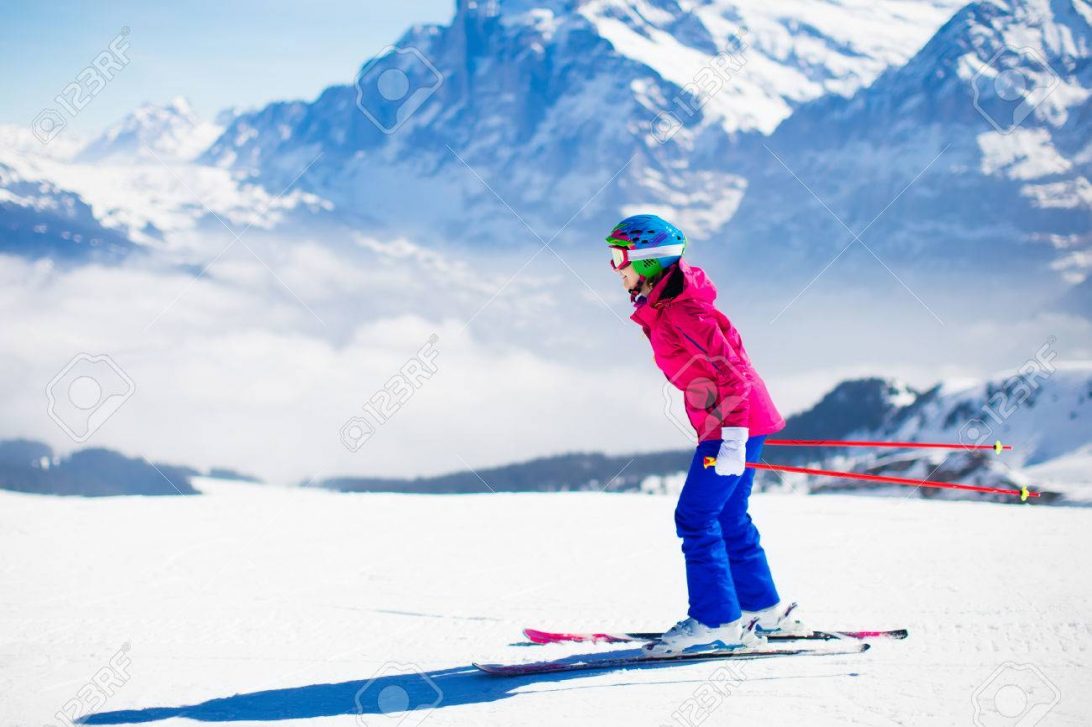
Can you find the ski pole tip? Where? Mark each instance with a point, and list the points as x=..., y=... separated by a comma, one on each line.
x=1025, y=493
x=998, y=447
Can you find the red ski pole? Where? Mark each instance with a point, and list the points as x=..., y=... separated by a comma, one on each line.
x=1023, y=493
x=996, y=446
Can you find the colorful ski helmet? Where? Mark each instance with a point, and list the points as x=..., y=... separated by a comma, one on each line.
x=647, y=242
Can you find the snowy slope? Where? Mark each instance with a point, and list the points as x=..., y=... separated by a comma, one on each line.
x=255, y=606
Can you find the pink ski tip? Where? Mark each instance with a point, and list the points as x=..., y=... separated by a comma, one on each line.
x=548, y=637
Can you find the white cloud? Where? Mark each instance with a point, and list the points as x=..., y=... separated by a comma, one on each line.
x=238, y=373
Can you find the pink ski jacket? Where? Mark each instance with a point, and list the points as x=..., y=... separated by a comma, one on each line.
x=702, y=354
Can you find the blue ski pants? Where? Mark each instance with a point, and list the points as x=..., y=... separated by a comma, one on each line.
x=726, y=569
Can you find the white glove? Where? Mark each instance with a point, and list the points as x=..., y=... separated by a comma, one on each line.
x=732, y=457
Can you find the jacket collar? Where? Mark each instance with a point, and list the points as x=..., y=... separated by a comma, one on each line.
x=648, y=308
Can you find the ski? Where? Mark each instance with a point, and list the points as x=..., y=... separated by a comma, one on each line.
x=634, y=658
x=536, y=636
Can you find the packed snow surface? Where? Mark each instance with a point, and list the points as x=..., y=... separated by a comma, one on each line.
x=253, y=605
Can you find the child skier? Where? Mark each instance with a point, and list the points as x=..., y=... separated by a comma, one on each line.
x=733, y=601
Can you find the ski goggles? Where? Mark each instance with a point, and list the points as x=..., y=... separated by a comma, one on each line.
x=621, y=257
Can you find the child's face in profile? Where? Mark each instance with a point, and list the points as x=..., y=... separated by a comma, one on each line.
x=629, y=276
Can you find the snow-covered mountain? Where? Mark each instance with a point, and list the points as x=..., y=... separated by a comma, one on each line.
x=549, y=101
x=1004, y=177
x=712, y=112
x=172, y=131
x=546, y=103
x=1043, y=411
x=132, y=187
x=42, y=220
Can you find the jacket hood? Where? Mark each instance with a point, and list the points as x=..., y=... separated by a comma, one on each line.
x=696, y=285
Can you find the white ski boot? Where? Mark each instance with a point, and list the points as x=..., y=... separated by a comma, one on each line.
x=778, y=619
x=691, y=636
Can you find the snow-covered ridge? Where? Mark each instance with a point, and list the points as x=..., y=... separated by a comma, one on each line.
x=133, y=186
x=795, y=51
x=172, y=131
x=978, y=174
x=552, y=104
x=548, y=102
x=1043, y=411
x=36, y=214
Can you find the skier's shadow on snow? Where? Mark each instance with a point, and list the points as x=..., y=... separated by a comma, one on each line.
x=382, y=694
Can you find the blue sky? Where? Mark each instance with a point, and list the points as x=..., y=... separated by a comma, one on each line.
x=215, y=53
